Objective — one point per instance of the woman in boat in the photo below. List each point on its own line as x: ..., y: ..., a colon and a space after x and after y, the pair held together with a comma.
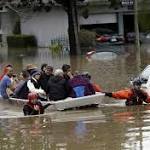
x: 34, y: 85
x: 33, y: 106
x: 57, y: 88
x: 80, y: 86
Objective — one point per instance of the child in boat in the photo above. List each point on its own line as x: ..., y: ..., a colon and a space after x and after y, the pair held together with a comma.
x: 33, y: 106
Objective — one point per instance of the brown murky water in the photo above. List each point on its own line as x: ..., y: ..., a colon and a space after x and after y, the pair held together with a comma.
x: 112, y: 126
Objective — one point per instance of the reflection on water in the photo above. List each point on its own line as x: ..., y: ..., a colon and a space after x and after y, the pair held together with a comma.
x: 121, y: 128
x: 110, y: 127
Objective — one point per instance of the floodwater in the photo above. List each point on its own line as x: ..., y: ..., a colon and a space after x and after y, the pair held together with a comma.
x: 112, y: 126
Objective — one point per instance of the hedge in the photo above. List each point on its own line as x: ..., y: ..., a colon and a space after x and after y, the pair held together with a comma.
x: 87, y: 38
x: 21, y: 41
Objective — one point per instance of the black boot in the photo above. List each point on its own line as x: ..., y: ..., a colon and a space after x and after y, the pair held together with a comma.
x: 108, y: 94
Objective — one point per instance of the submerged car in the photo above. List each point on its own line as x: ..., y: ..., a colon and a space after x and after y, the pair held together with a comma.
x: 112, y: 39
x: 131, y: 37
x: 142, y: 78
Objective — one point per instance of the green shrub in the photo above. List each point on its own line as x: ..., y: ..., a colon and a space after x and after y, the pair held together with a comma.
x: 21, y: 41
x: 87, y: 38
x: 56, y: 47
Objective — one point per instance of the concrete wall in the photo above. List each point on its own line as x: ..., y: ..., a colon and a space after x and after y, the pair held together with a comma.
x: 98, y: 19
x: 46, y: 25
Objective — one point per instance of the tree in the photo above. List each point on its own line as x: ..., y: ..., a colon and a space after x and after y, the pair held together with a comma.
x: 71, y: 8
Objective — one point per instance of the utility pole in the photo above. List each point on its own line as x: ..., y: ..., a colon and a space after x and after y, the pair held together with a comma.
x: 136, y: 23
x: 137, y: 35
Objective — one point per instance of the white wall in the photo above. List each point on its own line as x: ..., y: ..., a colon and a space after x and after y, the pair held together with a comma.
x: 45, y: 25
x: 8, y: 21
x: 98, y: 19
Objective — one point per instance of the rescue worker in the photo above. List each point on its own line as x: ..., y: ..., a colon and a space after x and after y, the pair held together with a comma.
x: 33, y: 106
x: 134, y: 95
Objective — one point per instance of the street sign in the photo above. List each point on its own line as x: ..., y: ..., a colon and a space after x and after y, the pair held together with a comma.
x: 127, y: 3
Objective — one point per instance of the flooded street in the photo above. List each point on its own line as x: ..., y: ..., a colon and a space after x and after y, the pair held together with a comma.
x: 112, y: 126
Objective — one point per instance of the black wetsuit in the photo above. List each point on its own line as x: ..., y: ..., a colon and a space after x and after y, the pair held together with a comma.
x: 29, y: 110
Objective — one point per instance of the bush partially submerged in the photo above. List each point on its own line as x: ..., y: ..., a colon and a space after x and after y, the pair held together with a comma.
x: 56, y: 47
x: 87, y: 38
x: 21, y: 41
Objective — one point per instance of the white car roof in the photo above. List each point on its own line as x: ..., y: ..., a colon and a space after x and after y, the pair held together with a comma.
x: 145, y: 73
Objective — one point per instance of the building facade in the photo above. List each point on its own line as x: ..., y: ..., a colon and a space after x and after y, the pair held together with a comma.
x: 52, y: 26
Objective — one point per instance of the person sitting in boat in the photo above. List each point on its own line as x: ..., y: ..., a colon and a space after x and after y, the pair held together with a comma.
x: 6, y: 84
x: 57, y: 88
x: 80, y: 86
x: 5, y: 70
x: 45, y: 76
x: 67, y: 72
x: 34, y: 106
x: 33, y: 84
x: 30, y: 68
x: 21, y: 90
x: 43, y: 68
x: 96, y: 87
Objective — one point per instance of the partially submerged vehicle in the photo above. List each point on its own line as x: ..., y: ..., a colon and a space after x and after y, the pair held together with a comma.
x: 142, y: 78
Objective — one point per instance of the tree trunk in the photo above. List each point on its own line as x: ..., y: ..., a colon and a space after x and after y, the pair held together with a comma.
x: 73, y: 28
